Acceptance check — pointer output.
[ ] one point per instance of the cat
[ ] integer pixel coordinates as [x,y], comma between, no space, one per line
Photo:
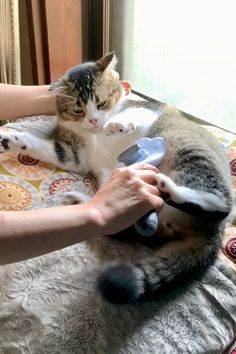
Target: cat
[95,122]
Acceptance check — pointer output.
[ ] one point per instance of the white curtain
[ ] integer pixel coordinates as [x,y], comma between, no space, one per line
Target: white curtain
[10,72]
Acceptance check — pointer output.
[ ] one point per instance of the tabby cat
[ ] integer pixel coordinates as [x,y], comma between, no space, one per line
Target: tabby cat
[95,122]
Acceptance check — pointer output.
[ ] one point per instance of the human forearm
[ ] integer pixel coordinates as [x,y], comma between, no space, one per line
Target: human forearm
[17,101]
[129,193]
[28,234]
[20,101]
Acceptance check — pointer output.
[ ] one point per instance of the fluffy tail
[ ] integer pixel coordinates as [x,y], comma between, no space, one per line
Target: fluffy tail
[124,283]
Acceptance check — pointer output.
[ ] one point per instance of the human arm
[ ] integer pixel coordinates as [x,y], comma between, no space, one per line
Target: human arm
[129,194]
[20,101]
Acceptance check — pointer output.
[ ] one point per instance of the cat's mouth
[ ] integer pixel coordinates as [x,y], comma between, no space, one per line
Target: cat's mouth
[94,128]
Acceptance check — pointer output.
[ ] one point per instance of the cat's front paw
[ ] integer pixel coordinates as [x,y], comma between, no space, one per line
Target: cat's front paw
[11,141]
[115,128]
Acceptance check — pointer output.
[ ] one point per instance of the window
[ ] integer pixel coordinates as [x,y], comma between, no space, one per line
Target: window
[181,52]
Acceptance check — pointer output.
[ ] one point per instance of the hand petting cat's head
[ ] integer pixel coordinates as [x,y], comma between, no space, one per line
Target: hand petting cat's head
[89,92]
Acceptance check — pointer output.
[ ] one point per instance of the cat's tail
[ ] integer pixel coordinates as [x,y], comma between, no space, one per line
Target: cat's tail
[177,261]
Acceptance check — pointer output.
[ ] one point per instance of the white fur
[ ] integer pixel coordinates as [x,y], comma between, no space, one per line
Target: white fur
[21,141]
[94,114]
[103,148]
[180,194]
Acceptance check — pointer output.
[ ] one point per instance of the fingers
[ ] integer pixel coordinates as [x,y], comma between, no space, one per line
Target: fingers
[141,166]
[126,85]
[147,176]
[152,189]
[144,166]
[139,177]
[143,171]
[156,202]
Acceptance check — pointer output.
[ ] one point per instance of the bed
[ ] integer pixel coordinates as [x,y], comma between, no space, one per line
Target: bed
[50,305]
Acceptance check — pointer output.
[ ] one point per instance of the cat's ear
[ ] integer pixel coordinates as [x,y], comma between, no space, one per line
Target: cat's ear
[108,61]
[56,85]
[62,86]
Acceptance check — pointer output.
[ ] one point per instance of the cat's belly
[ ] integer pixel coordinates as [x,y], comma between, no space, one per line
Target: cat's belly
[173,222]
[107,150]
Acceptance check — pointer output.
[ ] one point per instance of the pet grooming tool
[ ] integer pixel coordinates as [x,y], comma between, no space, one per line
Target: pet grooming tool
[150,151]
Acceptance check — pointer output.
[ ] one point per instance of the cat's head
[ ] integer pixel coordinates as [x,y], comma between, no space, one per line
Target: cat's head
[87,93]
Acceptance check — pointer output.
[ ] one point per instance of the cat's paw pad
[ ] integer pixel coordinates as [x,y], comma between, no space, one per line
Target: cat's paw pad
[168,189]
[71,198]
[10,141]
[162,182]
[4,144]
[166,185]
[113,128]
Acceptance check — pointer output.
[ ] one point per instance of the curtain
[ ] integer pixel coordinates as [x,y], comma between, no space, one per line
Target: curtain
[10,72]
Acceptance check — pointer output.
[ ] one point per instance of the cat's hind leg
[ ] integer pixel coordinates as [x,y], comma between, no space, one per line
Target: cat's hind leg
[195,202]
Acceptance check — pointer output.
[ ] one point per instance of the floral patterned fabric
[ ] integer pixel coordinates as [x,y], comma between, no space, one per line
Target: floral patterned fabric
[25,181]
[50,305]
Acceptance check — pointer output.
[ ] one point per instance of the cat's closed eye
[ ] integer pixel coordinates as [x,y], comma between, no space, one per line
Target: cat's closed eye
[102,105]
[78,111]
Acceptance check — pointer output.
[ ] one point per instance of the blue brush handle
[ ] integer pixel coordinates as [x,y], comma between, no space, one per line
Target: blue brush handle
[147,225]
[150,151]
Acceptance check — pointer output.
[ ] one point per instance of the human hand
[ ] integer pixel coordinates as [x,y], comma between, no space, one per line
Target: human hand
[129,194]
[126,85]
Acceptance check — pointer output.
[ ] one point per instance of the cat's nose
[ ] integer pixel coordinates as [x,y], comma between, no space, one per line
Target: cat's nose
[93,121]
